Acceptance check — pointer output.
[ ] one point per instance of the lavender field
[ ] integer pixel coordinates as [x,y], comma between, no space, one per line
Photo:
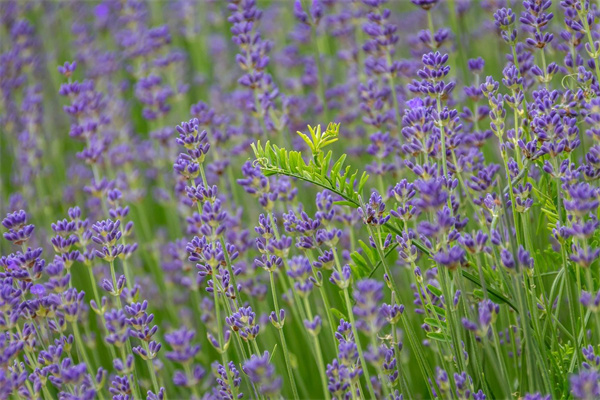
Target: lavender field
[366,199]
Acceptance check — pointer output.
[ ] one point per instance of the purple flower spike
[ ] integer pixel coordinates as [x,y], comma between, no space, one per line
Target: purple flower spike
[262,373]
[67,69]
[19,231]
[425,4]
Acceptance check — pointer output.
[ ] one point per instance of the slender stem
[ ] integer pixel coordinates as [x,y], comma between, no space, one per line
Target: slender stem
[80,346]
[516,62]
[558,281]
[577,270]
[394,95]
[405,387]
[188,373]
[591,42]
[421,288]
[590,288]
[134,381]
[431,29]
[358,345]
[328,312]
[381,375]
[501,359]
[230,270]
[325,300]
[443,140]
[450,317]
[86,332]
[113,275]
[476,359]
[319,353]
[298,311]
[151,368]
[426,371]
[572,297]
[353,391]
[203,176]
[222,350]
[286,353]
[319,66]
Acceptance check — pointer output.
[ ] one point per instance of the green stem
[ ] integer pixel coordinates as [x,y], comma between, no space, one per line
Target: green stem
[476,359]
[500,357]
[113,275]
[319,66]
[516,62]
[590,287]
[528,341]
[230,270]
[151,368]
[394,95]
[188,373]
[403,384]
[431,29]
[358,345]
[588,32]
[222,350]
[421,288]
[443,140]
[543,56]
[134,381]
[318,353]
[383,379]
[80,346]
[450,317]
[113,354]
[286,353]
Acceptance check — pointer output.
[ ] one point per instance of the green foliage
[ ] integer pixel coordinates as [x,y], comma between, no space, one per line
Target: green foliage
[548,207]
[338,314]
[363,264]
[318,140]
[564,354]
[494,294]
[346,182]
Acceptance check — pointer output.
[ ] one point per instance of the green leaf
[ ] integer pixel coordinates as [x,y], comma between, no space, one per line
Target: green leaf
[307,140]
[389,251]
[363,181]
[436,309]
[272,154]
[434,290]
[500,298]
[283,159]
[360,270]
[325,165]
[480,295]
[273,352]
[343,179]
[434,322]
[345,203]
[358,259]
[368,251]
[338,314]
[440,337]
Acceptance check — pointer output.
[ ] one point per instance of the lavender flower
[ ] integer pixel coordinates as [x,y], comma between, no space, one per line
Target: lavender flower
[262,373]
